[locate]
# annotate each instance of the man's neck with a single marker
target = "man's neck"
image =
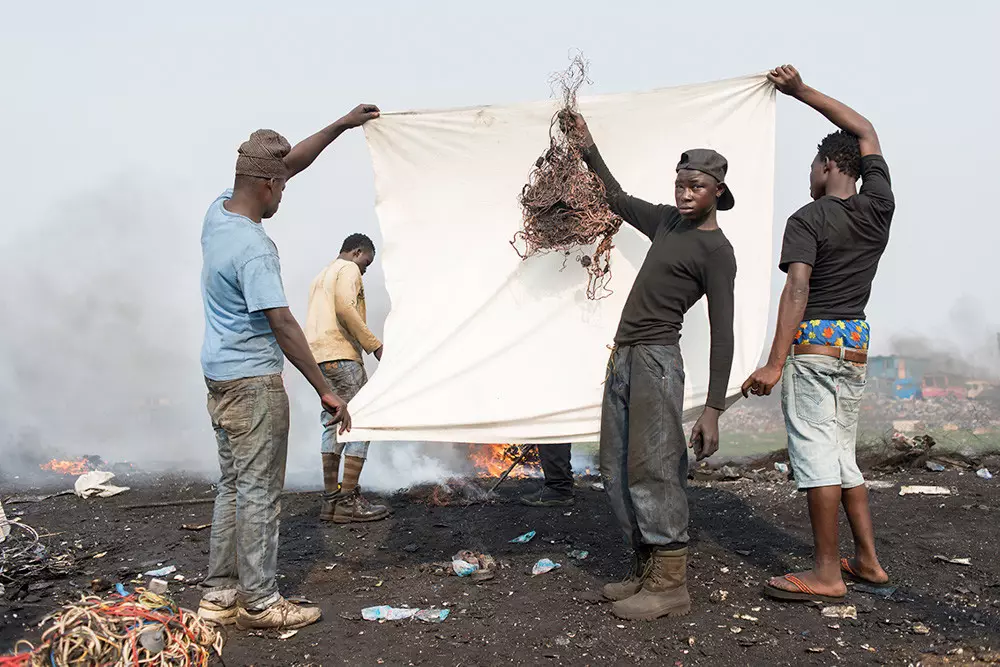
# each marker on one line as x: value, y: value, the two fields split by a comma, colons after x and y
x: 841, y: 188
x: 240, y: 204
x: 708, y: 223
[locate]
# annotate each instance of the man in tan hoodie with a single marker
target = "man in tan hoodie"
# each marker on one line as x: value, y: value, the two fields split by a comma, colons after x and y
x: 338, y: 334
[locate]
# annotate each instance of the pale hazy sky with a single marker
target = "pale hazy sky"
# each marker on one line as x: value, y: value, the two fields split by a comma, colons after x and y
x: 122, y: 120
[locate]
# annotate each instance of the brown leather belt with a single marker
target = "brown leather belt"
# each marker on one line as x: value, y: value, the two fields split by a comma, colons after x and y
x: 845, y: 353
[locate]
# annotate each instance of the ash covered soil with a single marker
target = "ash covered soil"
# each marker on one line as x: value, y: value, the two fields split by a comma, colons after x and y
x: 743, y: 531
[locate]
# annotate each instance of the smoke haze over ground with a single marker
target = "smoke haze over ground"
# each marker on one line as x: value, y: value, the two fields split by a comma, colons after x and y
x: 123, y: 123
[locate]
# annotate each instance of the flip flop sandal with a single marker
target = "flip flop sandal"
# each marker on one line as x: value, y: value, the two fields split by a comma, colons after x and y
x: 804, y: 594
x: 848, y: 571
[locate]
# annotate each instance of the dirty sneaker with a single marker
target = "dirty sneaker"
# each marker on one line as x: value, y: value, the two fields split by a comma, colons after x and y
x: 547, y: 498
x: 213, y: 612
x: 353, y: 507
x: 282, y: 615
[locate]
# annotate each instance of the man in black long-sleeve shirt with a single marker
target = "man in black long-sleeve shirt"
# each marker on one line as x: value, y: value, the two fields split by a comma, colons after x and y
x: 642, y: 457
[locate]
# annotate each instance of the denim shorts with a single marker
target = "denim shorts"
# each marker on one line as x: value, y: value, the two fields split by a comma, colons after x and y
x: 820, y: 397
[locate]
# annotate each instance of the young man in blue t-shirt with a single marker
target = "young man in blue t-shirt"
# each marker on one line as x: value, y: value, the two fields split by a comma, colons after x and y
x: 249, y: 330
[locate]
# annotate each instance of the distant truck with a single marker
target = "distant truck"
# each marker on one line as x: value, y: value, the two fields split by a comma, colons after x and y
x: 938, y: 386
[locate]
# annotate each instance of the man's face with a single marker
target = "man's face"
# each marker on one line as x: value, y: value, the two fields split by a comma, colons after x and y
x: 696, y: 193
x: 363, y: 258
x: 819, y: 171
x: 274, y: 187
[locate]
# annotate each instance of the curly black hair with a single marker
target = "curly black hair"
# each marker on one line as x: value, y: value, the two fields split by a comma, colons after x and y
x: 842, y: 149
x: 358, y: 242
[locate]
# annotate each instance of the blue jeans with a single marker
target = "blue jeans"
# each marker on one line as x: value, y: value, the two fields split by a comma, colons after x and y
x: 643, y: 454
x: 820, y: 397
x: 346, y: 377
x: 250, y: 418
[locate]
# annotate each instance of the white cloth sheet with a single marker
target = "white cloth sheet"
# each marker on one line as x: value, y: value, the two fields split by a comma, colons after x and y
x: 483, y: 347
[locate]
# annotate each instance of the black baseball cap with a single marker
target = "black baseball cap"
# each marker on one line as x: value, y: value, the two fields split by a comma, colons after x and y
x: 709, y: 162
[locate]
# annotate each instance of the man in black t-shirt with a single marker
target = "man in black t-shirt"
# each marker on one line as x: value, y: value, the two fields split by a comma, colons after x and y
x: 642, y: 457
x: 830, y: 252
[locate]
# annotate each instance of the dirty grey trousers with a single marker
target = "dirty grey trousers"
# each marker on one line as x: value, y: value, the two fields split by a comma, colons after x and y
x: 643, y: 456
x: 250, y: 419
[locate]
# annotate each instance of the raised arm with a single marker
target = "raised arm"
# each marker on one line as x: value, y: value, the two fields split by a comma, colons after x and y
x: 306, y: 151
x: 639, y: 213
x: 788, y: 80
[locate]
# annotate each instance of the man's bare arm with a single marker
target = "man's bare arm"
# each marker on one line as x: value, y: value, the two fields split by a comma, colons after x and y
x: 306, y: 151
x: 791, y: 309
x: 788, y: 80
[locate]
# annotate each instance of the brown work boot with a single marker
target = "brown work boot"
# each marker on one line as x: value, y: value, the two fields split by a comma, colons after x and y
x: 631, y: 584
x: 328, y: 509
x: 282, y: 615
x: 352, y: 507
x: 663, y: 593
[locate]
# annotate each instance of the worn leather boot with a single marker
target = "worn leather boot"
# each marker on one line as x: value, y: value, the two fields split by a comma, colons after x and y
x: 352, y: 507
x: 329, y: 508
x: 633, y: 582
x: 663, y: 593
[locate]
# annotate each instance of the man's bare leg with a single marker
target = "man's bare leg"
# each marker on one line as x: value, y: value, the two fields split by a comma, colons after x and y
x: 825, y: 577
x: 865, y: 563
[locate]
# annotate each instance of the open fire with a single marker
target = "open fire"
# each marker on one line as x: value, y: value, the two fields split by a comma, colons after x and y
x: 494, y: 460
x: 77, y: 467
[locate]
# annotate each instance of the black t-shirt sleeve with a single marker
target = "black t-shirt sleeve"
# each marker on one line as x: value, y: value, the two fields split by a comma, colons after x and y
x: 642, y: 215
x: 800, y: 240
x: 720, y: 281
x: 876, y: 185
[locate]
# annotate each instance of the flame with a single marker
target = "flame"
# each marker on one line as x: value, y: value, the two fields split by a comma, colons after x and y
x: 493, y: 460
x: 77, y: 467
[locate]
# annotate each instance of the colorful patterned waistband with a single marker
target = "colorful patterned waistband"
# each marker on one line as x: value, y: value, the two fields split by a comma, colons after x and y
x: 853, y: 334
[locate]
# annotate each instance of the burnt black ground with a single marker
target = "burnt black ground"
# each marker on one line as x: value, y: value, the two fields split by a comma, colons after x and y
x: 743, y: 532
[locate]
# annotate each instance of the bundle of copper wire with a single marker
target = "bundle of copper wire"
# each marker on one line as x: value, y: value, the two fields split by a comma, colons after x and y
x: 564, y: 203
x: 110, y: 631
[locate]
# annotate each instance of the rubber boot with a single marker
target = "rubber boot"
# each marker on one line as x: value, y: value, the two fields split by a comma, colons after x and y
x: 331, y: 487
x: 633, y: 582
x: 663, y: 593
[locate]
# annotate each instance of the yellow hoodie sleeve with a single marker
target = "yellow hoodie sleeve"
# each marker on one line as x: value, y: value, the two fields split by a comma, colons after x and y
x: 345, y: 300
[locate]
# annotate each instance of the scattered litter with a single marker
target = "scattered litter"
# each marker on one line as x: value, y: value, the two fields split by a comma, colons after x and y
x: 178, y: 577
x: 728, y: 473
x: 543, y: 566
x: 841, y: 611
x: 879, y: 484
x: 157, y: 586
x: 934, y: 466
x: 746, y: 617
x: 815, y: 649
x: 100, y: 584
x: 724, y: 570
x: 924, y: 491
x: 162, y: 572
x: 121, y: 590
x: 288, y: 634
x: 100, y: 555
x: 954, y: 561
x: 387, y: 613
x: 152, y: 639
x: 880, y: 591
x: 95, y: 483
x: 781, y: 467
x: 522, y: 539
x: 432, y: 615
x: 198, y: 526
x: 479, y: 567
x: 984, y: 473
x: 578, y: 554
x: 597, y: 486
x: 718, y: 596
x: 330, y: 567
x: 920, y: 629
x: 735, y: 630
x: 4, y: 524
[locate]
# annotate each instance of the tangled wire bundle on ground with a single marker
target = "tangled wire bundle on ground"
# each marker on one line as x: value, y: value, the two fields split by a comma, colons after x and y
x: 138, y: 629
x: 564, y: 203
x: 23, y: 558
